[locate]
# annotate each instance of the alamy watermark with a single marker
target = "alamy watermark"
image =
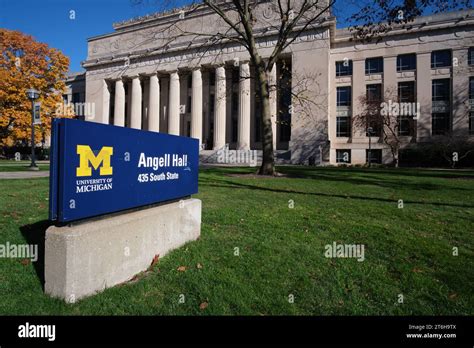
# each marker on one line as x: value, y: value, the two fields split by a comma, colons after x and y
x: 335, y: 250
x: 21, y: 251
x: 226, y: 156
x: 37, y: 331
x: 400, y: 109
x: 76, y: 109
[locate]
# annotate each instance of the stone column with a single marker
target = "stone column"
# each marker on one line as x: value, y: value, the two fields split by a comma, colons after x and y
x: 173, y: 114
x: 390, y: 84
x: 105, y: 103
x: 154, y: 104
x: 358, y: 90
x: 206, y: 108
x: 119, y: 113
x: 145, y: 104
x: 273, y: 103
x: 460, y: 94
x: 423, y: 95
x: 219, y: 111
x: 196, y: 106
x: 136, y: 121
x: 228, y: 111
x: 243, y: 134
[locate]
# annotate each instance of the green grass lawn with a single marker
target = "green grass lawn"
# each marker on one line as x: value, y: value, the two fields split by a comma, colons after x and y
x: 408, y: 251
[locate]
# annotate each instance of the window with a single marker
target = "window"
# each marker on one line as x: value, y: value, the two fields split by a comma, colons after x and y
x: 343, y: 103
x: 406, y: 92
x: 471, y: 88
x: 406, y: 62
x: 441, y: 96
x: 343, y: 127
x: 441, y: 90
x: 344, y: 68
x: 374, y: 93
x: 374, y: 98
x: 343, y: 156
x: 344, y: 96
x: 440, y: 123
x: 285, y: 99
x: 440, y: 59
x: 470, y: 56
x: 406, y: 95
x: 404, y: 125
x: 471, y: 105
x: 471, y: 123
x: 376, y: 125
x: 374, y: 65
x: 375, y: 156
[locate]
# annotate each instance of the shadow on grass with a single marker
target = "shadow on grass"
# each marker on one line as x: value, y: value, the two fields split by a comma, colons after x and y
x: 467, y: 174
x: 35, y: 234
x: 354, y: 176
x: 233, y: 184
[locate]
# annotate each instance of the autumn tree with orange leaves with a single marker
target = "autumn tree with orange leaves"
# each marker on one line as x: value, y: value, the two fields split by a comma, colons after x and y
x: 26, y: 63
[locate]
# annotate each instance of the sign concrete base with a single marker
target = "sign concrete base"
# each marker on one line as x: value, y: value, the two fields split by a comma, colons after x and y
x: 86, y: 258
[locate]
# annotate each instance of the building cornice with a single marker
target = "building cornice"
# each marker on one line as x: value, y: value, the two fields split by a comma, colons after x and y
x: 420, y: 24
x: 261, y: 35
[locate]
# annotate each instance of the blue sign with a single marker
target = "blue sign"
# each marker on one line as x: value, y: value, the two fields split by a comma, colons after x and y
x: 98, y: 169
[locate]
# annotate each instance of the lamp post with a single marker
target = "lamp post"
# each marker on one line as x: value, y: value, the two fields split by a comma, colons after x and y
x: 369, y: 132
x: 32, y: 95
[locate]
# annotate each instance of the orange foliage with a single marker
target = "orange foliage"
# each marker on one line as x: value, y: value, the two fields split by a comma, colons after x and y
x: 24, y: 64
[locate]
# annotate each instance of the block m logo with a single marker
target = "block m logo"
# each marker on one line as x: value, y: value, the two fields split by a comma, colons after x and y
x: 86, y: 157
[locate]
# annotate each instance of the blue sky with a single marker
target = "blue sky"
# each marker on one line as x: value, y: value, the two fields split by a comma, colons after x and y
x: 49, y: 20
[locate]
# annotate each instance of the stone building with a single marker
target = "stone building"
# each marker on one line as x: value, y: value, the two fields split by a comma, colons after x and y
x: 146, y: 75
x: 75, y: 92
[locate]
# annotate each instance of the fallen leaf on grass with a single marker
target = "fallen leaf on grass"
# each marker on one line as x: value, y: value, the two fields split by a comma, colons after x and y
x: 134, y: 279
x: 155, y: 260
x: 25, y: 262
x: 453, y: 295
x: 203, y: 305
x: 198, y: 266
x: 182, y: 268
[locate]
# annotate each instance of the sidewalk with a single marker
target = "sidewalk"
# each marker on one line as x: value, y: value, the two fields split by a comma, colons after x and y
x: 24, y: 175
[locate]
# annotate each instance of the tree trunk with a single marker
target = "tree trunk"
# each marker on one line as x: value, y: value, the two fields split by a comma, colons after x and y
x: 396, y: 157
x: 268, y: 162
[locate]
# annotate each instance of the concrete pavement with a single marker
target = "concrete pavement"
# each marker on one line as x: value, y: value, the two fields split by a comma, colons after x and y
x: 24, y: 175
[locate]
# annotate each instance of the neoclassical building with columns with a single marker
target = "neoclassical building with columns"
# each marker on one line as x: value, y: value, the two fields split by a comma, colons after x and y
x: 138, y: 77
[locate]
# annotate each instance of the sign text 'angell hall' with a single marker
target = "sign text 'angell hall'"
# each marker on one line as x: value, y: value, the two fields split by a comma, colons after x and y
x: 98, y: 169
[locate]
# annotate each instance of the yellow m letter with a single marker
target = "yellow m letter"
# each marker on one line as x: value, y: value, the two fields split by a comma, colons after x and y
x: 86, y: 156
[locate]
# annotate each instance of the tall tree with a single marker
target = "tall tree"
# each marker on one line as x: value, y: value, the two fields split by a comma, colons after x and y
x: 26, y: 63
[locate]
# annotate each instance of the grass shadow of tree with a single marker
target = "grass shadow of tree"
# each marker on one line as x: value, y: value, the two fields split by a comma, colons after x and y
x: 232, y: 184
